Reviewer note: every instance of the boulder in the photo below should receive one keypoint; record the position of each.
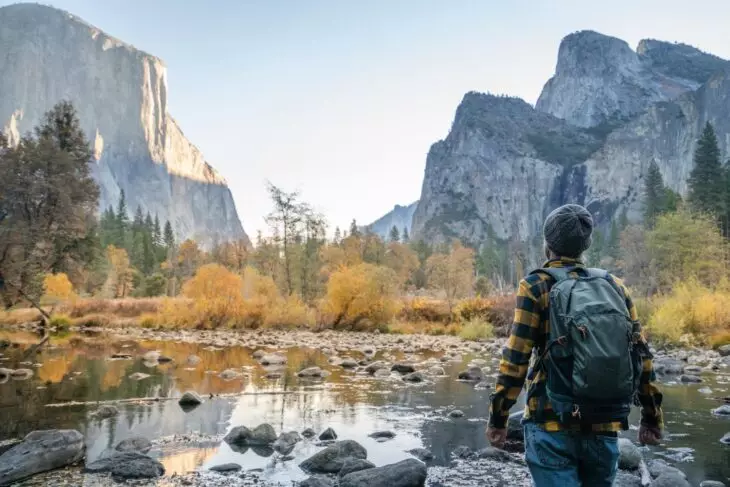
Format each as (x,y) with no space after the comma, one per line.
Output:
(328,435)
(273,359)
(626,479)
(711,483)
(349,363)
(309,433)
(136,443)
(286,442)
(407,473)
(41,451)
(332,458)
(354,465)
(375,366)
(690,379)
(190,399)
(670,479)
(262,435)
(313,372)
(724,351)
(226,468)
(629,455)
(105,411)
(693,369)
(403,368)
(127,465)
(422,454)
(657,467)
(495,454)
(456,413)
(414,377)
(317,481)
(472,374)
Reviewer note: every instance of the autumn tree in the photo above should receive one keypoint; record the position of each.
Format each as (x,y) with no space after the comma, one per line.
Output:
(57,287)
(403,261)
(285,220)
(217,295)
(47,202)
(635,263)
(119,279)
(452,272)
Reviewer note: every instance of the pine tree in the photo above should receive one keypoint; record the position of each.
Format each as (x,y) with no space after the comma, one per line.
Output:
(149,227)
(595,252)
(613,249)
(157,232)
(148,253)
(138,222)
(394,234)
(337,236)
(406,238)
(169,237)
(354,230)
(654,195)
(122,223)
(707,179)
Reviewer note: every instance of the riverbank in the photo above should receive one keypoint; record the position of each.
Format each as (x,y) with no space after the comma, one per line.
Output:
(430,391)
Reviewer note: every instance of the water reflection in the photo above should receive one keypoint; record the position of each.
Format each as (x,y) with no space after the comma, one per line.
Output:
(79,369)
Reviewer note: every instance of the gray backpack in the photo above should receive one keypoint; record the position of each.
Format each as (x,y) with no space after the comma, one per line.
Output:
(592,363)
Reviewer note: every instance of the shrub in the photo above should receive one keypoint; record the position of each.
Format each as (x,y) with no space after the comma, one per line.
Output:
(472,308)
(93,321)
(360,297)
(476,330)
(60,322)
(290,312)
(424,309)
(19,316)
(216,293)
(720,339)
(119,308)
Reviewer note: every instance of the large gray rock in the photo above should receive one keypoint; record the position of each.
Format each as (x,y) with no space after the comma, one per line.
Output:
(724,351)
(670,479)
(226,468)
(262,435)
(408,473)
(625,479)
(711,483)
(403,368)
(333,457)
(629,456)
(668,366)
(657,467)
(472,374)
(41,451)
(286,442)
(317,481)
(127,465)
(354,465)
(190,399)
(120,94)
(136,443)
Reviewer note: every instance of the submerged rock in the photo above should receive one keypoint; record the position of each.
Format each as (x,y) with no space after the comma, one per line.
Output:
(332,458)
(723,410)
(414,377)
(286,442)
(226,468)
(472,374)
(136,443)
(408,473)
(41,451)
(105,411)
(422,454)
(456,413)
(273,359)
(375,366)
(328,435)
(190,399)
(690,379)
(670,479)
(229,374)
(657,467)
(313,372)
(309,433)
(127,465)
(382,434)
(349,363)
(139,376)
(725,439)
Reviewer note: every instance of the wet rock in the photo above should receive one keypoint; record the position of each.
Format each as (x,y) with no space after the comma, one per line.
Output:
(317,481)
(190,400)
(193,360)
(408,473)
(328,435)
(670,479)
(229,374)
(382,373)
(273,359)
(127,465)
(463,452)
(693,369)
(723,410)
(332,458)
(258,354)
(121,356)
(690,379)
(422,454)
(403,368)
(657,467)
(41,451)
(515,431)
(349,363)
(668,366)
(136,443)
(375,366)
(495,454)
(262,435)
(456,413)
(354,465)
(625,479)
(382,435)
(163,359)
(138,376)
(5,373)
(472,374)
(6,445)
(724,351)
(21,374)
(368,350)
(309,433)
(105,411)
(629,456)
(313,372)
(4,344)
(725,439)
(704,390)
(481,386)
(286,442)
(226,468)
(711,483)
(414,377)
(436,371)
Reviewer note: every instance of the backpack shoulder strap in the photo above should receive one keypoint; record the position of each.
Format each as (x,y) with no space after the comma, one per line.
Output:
(557,273)
(595,272)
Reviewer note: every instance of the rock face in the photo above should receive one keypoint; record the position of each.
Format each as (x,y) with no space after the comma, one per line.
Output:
(604,116)
(41,451)
(400,217)
(120,94)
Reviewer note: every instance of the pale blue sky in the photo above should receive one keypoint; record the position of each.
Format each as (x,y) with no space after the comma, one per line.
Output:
(341,99)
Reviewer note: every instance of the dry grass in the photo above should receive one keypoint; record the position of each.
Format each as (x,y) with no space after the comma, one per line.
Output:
(120,308)
(19,316)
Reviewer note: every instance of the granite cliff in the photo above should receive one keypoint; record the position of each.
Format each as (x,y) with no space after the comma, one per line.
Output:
(600,120)
(400,217)
(120,94)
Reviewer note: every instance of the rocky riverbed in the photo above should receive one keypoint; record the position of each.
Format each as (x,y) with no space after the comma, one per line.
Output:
(261,408)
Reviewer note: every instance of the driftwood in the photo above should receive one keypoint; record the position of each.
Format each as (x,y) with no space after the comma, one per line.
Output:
(133,400)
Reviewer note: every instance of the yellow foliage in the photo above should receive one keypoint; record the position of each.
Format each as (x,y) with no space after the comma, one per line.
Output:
(403,260)
(290,312)
(452,273)
(425,309)
(364,294)
(60,322)
(19,316)
(217,296)
(720,339)
(472,308)
(119,281)
(476,329)
(57,287)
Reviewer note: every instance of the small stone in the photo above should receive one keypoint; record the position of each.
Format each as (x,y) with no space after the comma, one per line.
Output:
(725,439)
(381,373)
(711,483)
(472,374)
(135,444)
(629,455)
(21,374)
(229,374)
(382,434)
(690,379)
(106,411)
(286,442)
(693,369)
(189,399)
(273,359)
(463,452)
(313,372)
(309,433)
(456,413)
(422,454)
(317,481)
(436,371)
(724,351)
(375,366)
(258,354)
(226,467)
(403,368)
(193,360)
(349,363)
(139,376)
(723,410)
(670,479)
(328,435)
(704,390)
(481,386)
(414,377)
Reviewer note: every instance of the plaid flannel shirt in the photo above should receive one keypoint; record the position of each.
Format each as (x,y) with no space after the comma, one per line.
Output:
(530,330)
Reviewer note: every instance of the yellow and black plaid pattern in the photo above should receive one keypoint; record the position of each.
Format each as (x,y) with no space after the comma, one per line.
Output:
(530,330)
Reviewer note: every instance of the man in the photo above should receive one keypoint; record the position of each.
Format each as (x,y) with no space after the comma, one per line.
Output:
(572,441)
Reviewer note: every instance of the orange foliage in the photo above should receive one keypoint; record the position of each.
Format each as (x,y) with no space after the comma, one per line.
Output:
(57,287)
(216,294)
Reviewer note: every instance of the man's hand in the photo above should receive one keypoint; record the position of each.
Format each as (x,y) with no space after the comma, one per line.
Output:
(496,436)
(649,436)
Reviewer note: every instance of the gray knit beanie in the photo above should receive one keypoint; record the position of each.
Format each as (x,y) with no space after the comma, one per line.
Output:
(567,230)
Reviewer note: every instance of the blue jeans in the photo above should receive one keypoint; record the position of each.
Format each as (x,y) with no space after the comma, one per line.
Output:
(570,459)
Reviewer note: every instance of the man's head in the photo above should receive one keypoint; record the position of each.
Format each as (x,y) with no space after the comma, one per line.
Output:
(567,231)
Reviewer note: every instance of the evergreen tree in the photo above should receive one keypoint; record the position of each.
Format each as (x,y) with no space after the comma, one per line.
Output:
(149,227)
(394,234)
(707,179)
(138,223)
(169,237)
(595,252)
(406,238)
(338,236)
(354,231)
(148,253)
(157,232)
(613,248)
(654,195)
(122,223)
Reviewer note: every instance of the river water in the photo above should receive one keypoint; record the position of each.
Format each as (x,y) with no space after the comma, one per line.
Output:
(75,372)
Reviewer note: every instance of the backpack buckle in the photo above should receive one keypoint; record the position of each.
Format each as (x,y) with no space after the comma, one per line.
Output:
(576,411)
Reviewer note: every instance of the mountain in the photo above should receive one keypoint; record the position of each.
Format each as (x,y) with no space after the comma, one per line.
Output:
(120,94)
(400,217)
(600,120)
